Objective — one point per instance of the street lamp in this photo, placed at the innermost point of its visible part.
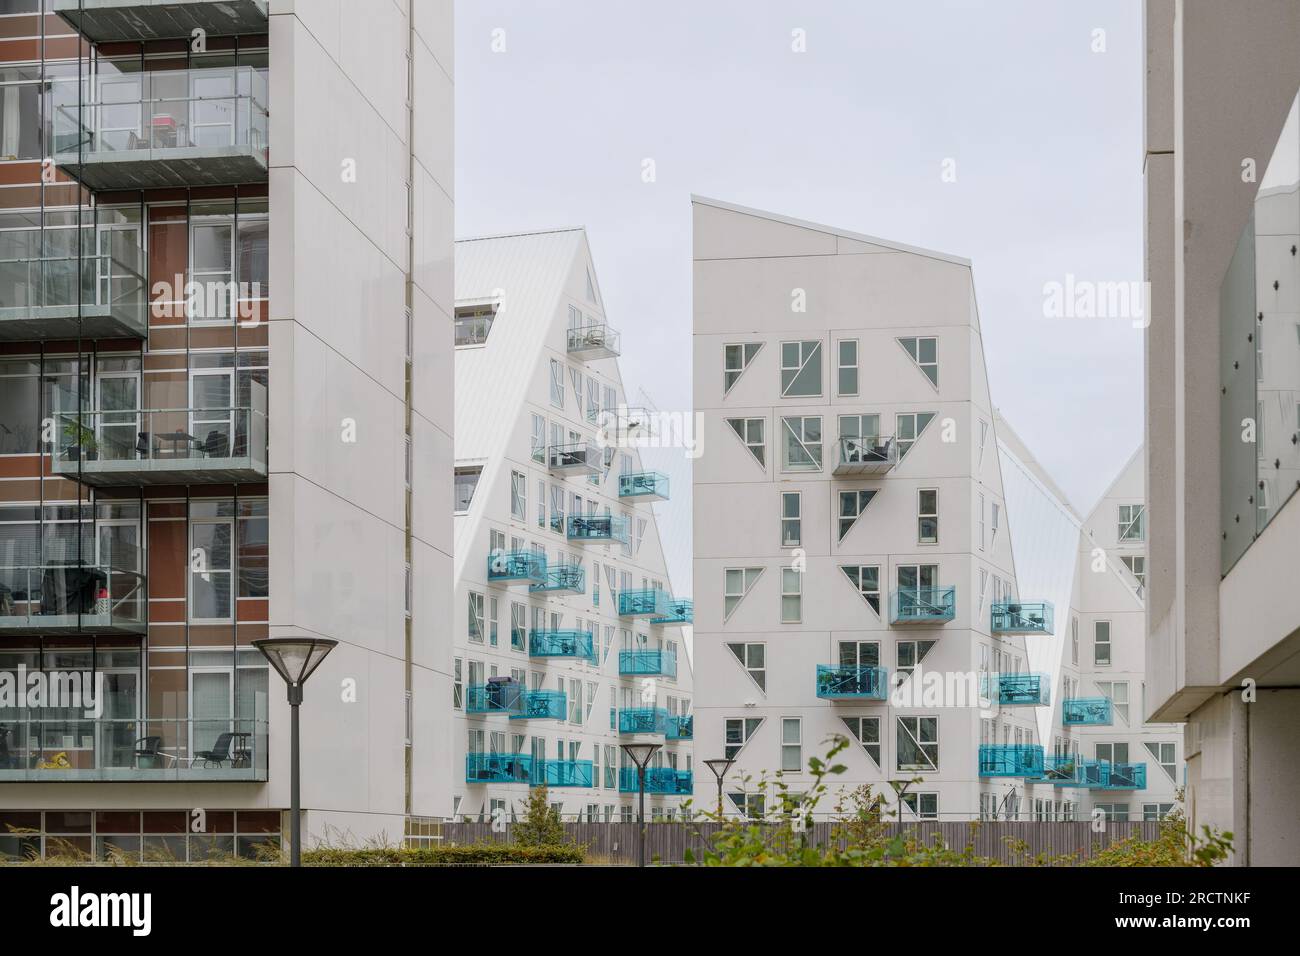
(640, 755)
(294, 659)
(719, 766)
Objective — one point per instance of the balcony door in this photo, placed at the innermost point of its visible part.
(117, 552)
(118, 263)
(212, 399)
(117, 430)
(120, 727)
(212, 107)
(211, 706)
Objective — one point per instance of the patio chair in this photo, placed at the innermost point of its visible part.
(148, 752)
(219, 753)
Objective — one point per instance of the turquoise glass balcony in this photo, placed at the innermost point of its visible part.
(579, 645)
(516, 566)
(1016, 617)
(563, 578)
(647, 602)
(872, 455)
(643, 720)
(680, 611)
(852, 682)
(658, 780)
(1086, 711)
(498, 768)
(563, 773)
(542, 705)
(643, 486)
(1011, 760)
(1063, 770)
(575, 458)
(922, 605)
(1124, 776)
(599, 529)
(501, 696)
(647, 663)
(1017, 690)
(681, 727)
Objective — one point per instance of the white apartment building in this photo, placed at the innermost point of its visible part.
(568, 638)
(1223, 410)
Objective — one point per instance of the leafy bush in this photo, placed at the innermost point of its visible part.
(541, 825)
(473, 854)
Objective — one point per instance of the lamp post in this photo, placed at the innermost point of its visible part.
(294, 659)
(719, 766)
(640, 755)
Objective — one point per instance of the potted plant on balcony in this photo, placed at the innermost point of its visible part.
(81, 440)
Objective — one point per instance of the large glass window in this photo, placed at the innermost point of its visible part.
(801, 369)
(211, 552)
(918, 743)
(802, 443)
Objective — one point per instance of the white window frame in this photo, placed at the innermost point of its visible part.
(791, 522)
(806, 356)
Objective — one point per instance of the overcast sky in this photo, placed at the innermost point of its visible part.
(1045, 133)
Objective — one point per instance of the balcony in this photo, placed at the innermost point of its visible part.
(1021, 618)
(1011, 760)
(681, 727)
(625, 425)
(506, 567)
(542, 705)
(200, 127)
(643, 486)
(1017, 690)
(658, 780)
(643, 720)
(94, 296)
(923, 605)
(578, 645)
(647, 663)
(563, 773)
(498, 768)
(80, 750)
(54, 600)
(563, 578)
(1086, 712)
(597, 529)
(575, 458)
(1063, 770)
(103, 21)
(594, 341)
(680, 611)
(1122, 776)
(873, 455)
(646, 602)
(852, 682)
(175, 446)
(501, 695)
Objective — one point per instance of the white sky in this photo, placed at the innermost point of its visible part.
(1045, 132)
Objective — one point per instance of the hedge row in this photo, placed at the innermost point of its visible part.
(498, 854)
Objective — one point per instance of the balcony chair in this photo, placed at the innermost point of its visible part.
(219, 753)
(148, 752)
(217, 445)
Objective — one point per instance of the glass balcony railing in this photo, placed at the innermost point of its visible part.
(498, 696)
(1017, 690)
(498, 768)
(563, 773)
(852, 682)
(681, 727)
(1069, 770)
(595, 340)
(647, 663)
(870, 455)
(1016, 617)
(643, 720)
(104, 21)
(163, 446)
(1062, 770)
(142, 130)
(625, 425)
(597, 529)
(658, 780)
(1011, 760)
(1086, 711)
(542, 705)
(680, 611)
(568, 578)
(78, 750)
(643, 486)
(511, 566)
(932, 605)
(579, 645)
(72, 599)
(575, 458)
(646, 602)
(1123, 776)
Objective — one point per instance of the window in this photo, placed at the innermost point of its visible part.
(1132, 522)
(466, 480)
(984, 437)
(791, 596)
(458, 683)
(925, 806)
(1115, 812)
(791, 519)
(801, 369)
(927, 516)
(852, 504)
(575, 376)
(802, 447)
(737, 582)
(847, 379)
(997, 517)
(753, 658)
(1112, 752)
(1074, 640)
(211, 597)
(593, 400)
(736, 360)
(866, 731)
(473, 323)
(492, 621)
(981, 521)
(518, 496)
(865, 578)
(475, 618)
(911, 653)
(1137, 565)
(557, 384)
(1117, 691)
(909, 429)
(924, 351)
(863, 427)
(1164, 754)
(1101, 643)
(737, 733)
(791, 744)
(557, 509)
(518, 628)
(918, 743)
(1156, 811)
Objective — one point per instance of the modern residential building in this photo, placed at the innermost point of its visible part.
(568, 635)
(1222, 167)
(189, 462)
(878, 555)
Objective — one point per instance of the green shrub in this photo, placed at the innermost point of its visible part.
(472, 854)
(541, 825)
